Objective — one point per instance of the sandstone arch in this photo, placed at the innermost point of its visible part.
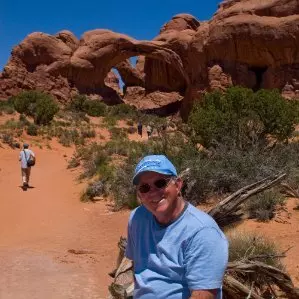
(101, 50)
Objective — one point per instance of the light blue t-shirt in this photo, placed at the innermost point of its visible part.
(170, 261)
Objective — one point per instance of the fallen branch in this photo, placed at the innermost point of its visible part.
(226, 209)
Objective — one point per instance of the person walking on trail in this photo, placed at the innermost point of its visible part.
(149, 130)
(25, 156)
(139, 128)
(177, 250)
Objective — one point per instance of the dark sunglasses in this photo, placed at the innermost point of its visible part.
(160, 184)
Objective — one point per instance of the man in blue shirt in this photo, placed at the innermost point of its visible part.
(177, 250)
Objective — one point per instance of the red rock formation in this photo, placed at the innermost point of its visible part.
(248, 42)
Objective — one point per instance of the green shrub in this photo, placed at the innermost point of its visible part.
(130, 123)
(77, 103)
(240, 116)
(110, 121)
(227, 169)
(69, 137)
(94, 189)
(123, 111)
(7, 106)
(32, 130)
(8, 139)
(73, 163)
(12, 124)
(131, 130)
(88, 133)
(262, 206)
(40, 106)
(24, 120)
(95, 108)
(118, 133)
(246, 246)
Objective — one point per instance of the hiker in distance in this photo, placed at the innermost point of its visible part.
(177, 250)
(139, 128)
(27, 159)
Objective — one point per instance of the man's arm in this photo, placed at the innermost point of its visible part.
(206, 257)
(204, 294)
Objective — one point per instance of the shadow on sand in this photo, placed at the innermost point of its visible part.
(25, 188)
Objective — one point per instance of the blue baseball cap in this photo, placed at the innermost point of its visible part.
(155, 163)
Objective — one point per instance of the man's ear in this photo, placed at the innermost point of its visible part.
(179, 184)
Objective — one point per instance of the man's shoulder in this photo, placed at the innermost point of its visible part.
(140, 213)
(198, 218)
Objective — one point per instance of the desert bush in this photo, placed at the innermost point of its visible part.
(95, 161)
(123, 191)
(73, 163)
(247, 246)
(241, 117)
(95, 108)
(227, 169)
(32, 130)
(39, 105)
(7, 138)
(83, 104)
(7, 106)
(109, 121)
(263, 206)
(77, 103)
(69, 137)
(72, 116)
(24, 120)
(118, 133)
(123, 111)
(13, 124)
(94, 189)
(88, 133)
(131, 130)
(130, 122)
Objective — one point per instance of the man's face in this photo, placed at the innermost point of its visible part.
(159, 194)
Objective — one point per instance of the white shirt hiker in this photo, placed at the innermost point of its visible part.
(24, 158)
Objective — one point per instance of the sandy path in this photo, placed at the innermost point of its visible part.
(39, 226)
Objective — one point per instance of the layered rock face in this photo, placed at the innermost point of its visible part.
(252, 43)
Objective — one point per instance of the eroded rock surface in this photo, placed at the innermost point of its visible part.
(252, 43)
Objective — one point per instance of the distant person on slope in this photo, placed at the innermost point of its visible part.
(27, 159)
(139, 128)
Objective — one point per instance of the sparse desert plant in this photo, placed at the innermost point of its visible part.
(6, 106)
(263, 206)
(123, 111)
(131, 130)
(69, 137)
(7, 138)
(32, 130)
(130, 123)
(93, 190)
(73, 163)
(88, 133)
(118, 133)
(12, 124)
(24, 120)
(249, 247)
(109, 121)
(123, 191)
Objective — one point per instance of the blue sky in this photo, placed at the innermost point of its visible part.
(139, 19)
